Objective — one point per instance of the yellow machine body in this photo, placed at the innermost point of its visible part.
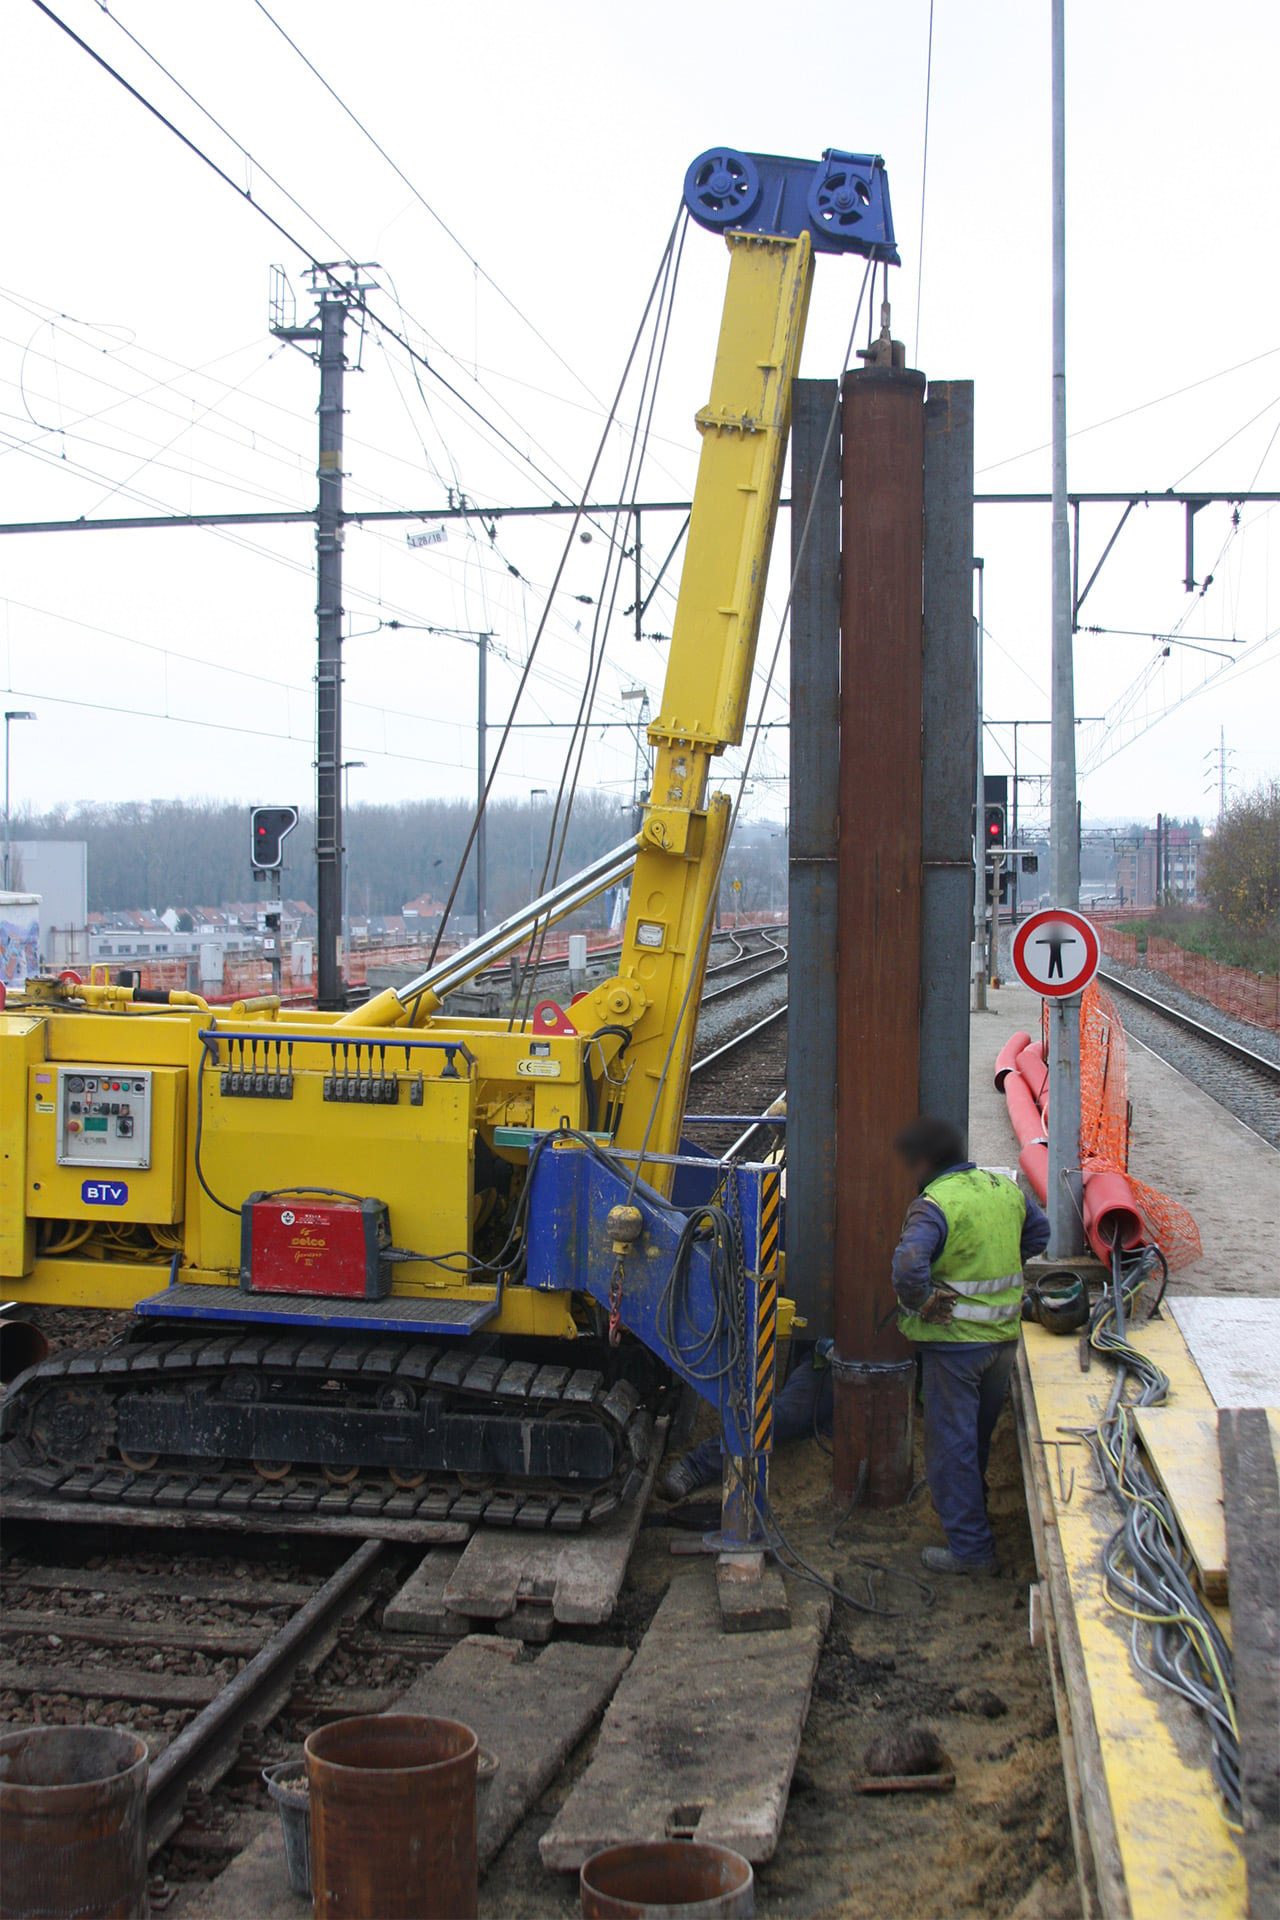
(396, 1099)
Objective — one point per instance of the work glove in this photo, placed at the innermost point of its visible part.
(938, 1308)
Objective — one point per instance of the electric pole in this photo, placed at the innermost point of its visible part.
(482, 721)
(979, 834)
(1065, 1197)
(334, 299)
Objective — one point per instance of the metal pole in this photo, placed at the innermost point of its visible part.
(811, 848)
(1066, 1225)
(331, 991)
(948, 735)
(482, 704)
(1013, 870)
(979, 827)
(8, 721)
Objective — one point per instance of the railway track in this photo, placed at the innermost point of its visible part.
(220, 1662)
(1244, 1081)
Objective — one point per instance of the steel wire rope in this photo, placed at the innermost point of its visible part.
(613, 563)
(540, 630)
(713, 892)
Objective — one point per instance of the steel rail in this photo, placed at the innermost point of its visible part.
(739, 1040)
(1242, 1055)
(736, 986)
(208, 1745)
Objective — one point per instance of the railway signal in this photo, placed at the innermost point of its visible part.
(268, 829)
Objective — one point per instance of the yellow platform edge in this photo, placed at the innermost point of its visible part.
(1147, 1822)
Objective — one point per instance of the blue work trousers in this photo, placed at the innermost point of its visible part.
(965, 1387)
(804, 1402)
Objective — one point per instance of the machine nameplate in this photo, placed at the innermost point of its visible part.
(539, 1069)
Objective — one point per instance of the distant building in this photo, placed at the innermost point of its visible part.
(1178, 851)
(57, 871)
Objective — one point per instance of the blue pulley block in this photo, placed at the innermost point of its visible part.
(841, 197)
(721, 188)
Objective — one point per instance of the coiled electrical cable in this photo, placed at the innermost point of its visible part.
(1146, 1565)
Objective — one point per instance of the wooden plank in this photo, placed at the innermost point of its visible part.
(1251, 1493)
(701, 1737)
(112, 1683)
(223, 1520)
(1182, 1446)
(530, 1712)
(104, 1630)
(576, 1576)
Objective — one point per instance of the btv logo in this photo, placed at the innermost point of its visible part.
(104, 1193)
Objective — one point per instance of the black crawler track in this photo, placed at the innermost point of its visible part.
(477, 1436)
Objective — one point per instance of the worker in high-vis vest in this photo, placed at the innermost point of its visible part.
(957, 1272)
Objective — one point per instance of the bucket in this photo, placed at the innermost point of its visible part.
(393, 1818)
(73, 1812)
(293, 1803)
(667, 1880)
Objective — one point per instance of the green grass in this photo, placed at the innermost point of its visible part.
(1199, 930)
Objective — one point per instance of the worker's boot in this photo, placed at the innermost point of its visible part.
(677, 1480)
(942, 1560)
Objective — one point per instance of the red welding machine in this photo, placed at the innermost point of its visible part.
(310, 1243)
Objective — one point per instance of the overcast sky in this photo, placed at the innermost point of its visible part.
(139, 374)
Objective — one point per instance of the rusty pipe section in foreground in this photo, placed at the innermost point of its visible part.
(878, 916)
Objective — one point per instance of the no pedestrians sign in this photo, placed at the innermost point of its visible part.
(1055, 952)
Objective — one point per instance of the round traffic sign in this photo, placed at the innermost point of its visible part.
(1055, 952)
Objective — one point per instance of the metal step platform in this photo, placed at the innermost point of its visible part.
(395, 1314)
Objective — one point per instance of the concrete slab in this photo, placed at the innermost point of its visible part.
(701, 1738)
(419, 1605)
(255, 1883)
(530, 1711)
(574, 1578)
(1236, 1345)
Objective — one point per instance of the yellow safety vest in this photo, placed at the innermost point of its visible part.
(982, 1258)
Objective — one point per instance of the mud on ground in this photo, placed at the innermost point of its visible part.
(998, 1846)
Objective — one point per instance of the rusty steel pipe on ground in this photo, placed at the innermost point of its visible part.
(878, 917)
(73, 1806)
(393, 1818)
(662, 1879)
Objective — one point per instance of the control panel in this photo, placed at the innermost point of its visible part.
(104, 1117)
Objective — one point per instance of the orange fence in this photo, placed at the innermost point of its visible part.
(243, 977)
(1104, 1124)
(1234, 990)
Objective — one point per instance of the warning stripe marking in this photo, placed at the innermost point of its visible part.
(770, 1220)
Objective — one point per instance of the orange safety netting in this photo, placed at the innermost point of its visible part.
(1247, 996)
(1104, 1124)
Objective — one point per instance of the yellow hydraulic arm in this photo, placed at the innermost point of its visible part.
(713, 648)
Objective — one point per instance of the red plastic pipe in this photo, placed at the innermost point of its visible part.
(1031, 1066)
(1007, 1058)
